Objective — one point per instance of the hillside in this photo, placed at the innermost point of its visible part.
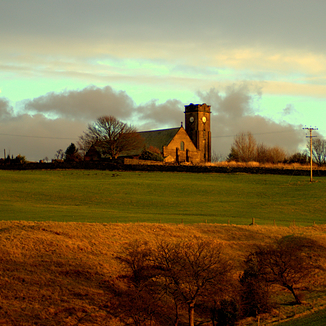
(154, 197)
(54, 273)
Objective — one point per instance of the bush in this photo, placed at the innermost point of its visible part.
(301, 158)
(150, 155)
(227, 314)
(254, 292)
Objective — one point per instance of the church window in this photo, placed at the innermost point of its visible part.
(182, 146)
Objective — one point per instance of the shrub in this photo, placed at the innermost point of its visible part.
(150, 155)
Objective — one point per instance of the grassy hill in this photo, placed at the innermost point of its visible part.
(154, 197)
(60, 231)
(53, 273)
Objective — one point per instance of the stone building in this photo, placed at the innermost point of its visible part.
(190, 144)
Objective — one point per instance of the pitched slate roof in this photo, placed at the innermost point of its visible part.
(159, 138)
(155, 138)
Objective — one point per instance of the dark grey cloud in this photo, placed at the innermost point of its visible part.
(87, 104)
(158, 116)
(6, 110)
(36, 136)
(232, 114)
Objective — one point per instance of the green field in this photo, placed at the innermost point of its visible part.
(315, 319)
(106, 196)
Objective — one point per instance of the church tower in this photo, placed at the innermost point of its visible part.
(198, 128)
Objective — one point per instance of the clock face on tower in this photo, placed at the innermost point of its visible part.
(203, 119)
(192, 119)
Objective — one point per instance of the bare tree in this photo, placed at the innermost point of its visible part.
(110, 136)
(136, 293)
(246, 149)
(192, 270)
(301, 158)
(216, 157)
(318, 150)
(243, 148)
(162, 280)
(288, 262)
(265, 154)
(59, 155)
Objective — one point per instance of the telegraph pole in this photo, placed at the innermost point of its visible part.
(311, 136)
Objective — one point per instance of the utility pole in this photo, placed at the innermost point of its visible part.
(311, 136)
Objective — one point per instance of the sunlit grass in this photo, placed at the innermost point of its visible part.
(155, 197)
(55, 271)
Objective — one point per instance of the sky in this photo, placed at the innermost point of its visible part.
(260, 64)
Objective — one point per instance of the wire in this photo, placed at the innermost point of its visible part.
(41, 137)
(258, 133)
(225, 136)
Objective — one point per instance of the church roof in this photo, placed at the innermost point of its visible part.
(159, 138)
(155, 138)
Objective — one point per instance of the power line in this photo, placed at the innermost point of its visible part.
(40, 137)
(64, 138)
(258, 133)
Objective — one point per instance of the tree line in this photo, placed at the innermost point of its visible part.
(196, 282)
(110, 137)
(246, 149)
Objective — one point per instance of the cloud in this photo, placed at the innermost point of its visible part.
(6, 110)
(85, 105)
(159, 116)
(288, 110)
(232, 113)
(37, 136)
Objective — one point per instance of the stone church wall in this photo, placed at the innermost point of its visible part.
(189, 152)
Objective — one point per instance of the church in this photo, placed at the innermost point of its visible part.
(190, 144)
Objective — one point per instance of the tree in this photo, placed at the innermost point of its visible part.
(59, 155)
(246, 149)
(111, 137)
(265, 154)
(216, 157)
(162, 280)
(318, 150)
(192, 271)
(243, 148)
(71, 153)
(301, 158)
(138, 294)
(287, 263)
(255, 295)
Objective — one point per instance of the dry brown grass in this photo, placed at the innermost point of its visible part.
(53, 273)
(292, 166)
